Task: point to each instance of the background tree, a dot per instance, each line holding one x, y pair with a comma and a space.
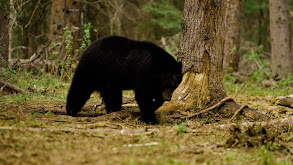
232, 36
255, 24
281, 58
4, 31
29, 27
201, 51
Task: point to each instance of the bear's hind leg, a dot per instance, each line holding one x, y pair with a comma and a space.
112, 99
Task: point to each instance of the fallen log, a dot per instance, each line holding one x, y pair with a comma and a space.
13, 87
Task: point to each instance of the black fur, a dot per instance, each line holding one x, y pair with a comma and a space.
112, 64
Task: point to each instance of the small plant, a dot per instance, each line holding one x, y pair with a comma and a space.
263, 69
9, 73
66, 64
180, 128
49, 113
283, 83
36, 114
86, 37
61, 119
230, 78
68, 38
264, 156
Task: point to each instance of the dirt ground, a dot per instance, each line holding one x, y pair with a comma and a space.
38, 131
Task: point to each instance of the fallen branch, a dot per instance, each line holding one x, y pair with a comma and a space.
82, 130
46, 129
11, 86
208, 109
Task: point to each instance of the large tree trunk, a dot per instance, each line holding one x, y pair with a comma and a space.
201, 52
281, 59
232, 36
4, 35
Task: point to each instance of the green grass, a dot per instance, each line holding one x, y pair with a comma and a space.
251, 88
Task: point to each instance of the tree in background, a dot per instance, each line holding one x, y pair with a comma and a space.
201, 52
232, 36
165, 15
29, 27
4, 31
281, 58
255, 24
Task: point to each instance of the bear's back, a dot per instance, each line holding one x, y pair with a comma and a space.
119, 56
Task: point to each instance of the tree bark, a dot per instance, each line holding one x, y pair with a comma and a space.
201, 52
4, 35
281, 58
232, 36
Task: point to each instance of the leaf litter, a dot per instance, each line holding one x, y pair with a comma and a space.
39, 131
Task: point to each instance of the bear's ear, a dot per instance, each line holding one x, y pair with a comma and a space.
179, 64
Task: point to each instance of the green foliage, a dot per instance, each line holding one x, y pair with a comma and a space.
49, 113
4, 4
41, 87
68, 38
165, 15
264, 156
249, 87
9, 73
180, 128
64, 66
86, 37
285, 83
229, 77
262, 64
254, 6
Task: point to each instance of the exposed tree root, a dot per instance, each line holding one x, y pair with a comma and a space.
208, 109
195, 90
228, 108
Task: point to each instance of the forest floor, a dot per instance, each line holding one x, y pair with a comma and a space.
34, 129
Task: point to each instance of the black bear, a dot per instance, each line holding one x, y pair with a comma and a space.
112, 64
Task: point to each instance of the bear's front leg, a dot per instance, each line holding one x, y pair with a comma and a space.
159, 100
146, 106
76, 98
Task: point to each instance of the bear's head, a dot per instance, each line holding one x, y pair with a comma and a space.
171, 80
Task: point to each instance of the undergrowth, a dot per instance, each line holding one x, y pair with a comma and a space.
254, 84
47, 86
